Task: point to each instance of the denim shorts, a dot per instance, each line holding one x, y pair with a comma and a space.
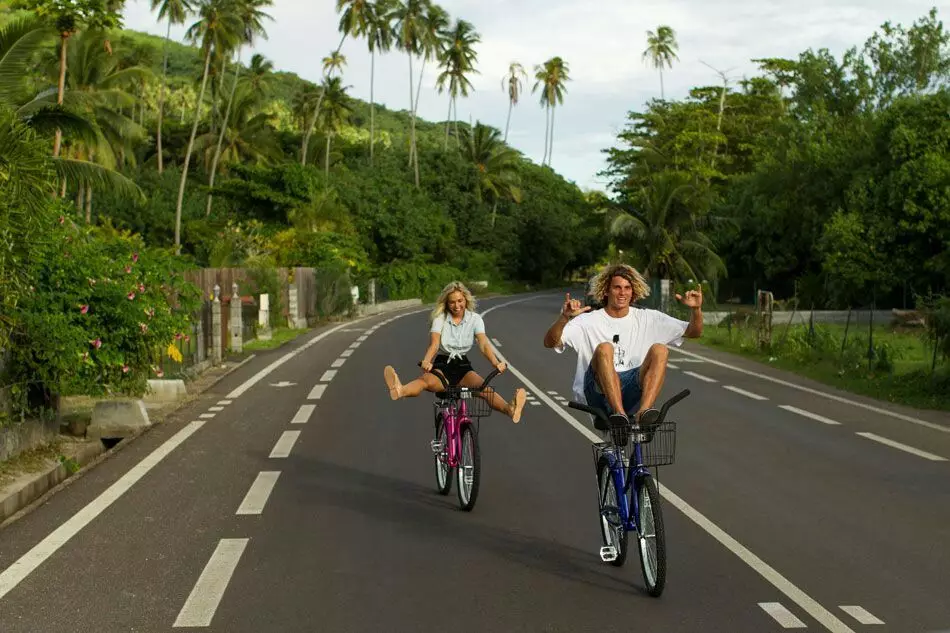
629, 387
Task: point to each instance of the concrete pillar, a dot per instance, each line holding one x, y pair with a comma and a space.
665, 294
371, 292
236, 325
292, 310
216, 325
263, 318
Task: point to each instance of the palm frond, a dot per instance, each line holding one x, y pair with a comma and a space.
20, 40
97, 177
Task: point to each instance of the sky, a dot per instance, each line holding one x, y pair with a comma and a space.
601, 40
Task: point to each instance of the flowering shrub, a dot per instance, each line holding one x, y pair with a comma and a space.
101, 310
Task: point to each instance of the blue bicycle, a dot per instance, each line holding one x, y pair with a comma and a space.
628, 498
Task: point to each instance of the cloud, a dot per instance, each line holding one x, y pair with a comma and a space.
602, 42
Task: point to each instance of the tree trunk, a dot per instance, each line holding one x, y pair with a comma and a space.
313, 119
448, 122
455, 122
61, 89
662, 93
547, 128
327, 160
551, 141
412, 120
494, 210
161, 96
79, 199
191, 144
224, 128
372, 107
508, 122
415, 110
89, 204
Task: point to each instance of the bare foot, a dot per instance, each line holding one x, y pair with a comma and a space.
517, 405
392, 381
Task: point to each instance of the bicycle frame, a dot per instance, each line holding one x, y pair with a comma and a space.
635, 471
454, 419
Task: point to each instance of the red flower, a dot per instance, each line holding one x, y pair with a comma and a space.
135, 257
83, 309
128, 269
125, 369
97, 343
130, 296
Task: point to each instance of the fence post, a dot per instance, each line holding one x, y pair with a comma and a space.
199, 334
292, 303
263, 318
216, 325
665, 288
764, 305
371, 292
237, 327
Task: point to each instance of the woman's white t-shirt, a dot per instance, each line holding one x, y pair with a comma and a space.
457, 338
634, 333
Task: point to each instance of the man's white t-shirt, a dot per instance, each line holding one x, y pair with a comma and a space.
635, 333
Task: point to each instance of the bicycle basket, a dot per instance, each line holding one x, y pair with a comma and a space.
660, 449
476, 404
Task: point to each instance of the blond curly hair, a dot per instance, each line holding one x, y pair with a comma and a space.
600, 287
442, 301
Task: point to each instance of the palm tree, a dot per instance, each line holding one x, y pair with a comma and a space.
552, 77
457, 60
252, 18
668, 232
335, 111
259, 74
174, 12
334, 61
355, 18
511, 83
379, 36
661, 50
249, 137
496, 165
409, 31
219, 27
434, 42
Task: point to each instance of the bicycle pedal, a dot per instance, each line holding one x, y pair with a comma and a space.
469, 476
608, 554
437, 446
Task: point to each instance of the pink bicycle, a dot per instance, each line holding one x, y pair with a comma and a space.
457, 412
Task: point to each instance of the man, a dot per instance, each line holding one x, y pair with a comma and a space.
622, 352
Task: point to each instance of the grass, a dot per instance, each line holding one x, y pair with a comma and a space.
29, 461
899, 370
279, 336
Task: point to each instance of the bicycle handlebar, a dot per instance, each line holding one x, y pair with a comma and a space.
445, 383
603, 416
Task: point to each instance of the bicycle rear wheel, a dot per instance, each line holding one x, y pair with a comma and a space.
651, 539
469, 468
443, 474
612, 531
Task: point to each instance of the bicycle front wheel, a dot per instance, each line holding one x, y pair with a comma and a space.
612, 531
651, 539
443, 474
469, 468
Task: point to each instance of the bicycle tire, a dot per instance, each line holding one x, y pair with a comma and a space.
468, 492
650, 521
443, 473
611, 535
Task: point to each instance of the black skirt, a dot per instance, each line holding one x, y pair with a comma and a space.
453, 369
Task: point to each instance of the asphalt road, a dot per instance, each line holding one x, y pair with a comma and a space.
304, 500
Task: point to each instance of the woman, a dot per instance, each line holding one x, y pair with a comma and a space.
455, 329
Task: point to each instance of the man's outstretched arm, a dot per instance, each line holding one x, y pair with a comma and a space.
570, 309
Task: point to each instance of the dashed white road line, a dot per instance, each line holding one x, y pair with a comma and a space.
535, 403
317, 392
743, 392
354, 345
26, 564
671, 366
809, 414
203, 601
216, 409
903, 447
700, 376
553, 393
338, 362
284, 445
816, 392
207, 416
346, 353
361, 339
861, 614
783, 616
303, 414
256, 497
328, 375
224, 403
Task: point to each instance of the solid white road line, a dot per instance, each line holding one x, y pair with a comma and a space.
495, 341
785, 383
317, 392
700, 376
259, 492
743, 392
328, 375
808, 414
782, 615
861, 615
361, 339
903, 447
284, 445
203, 601
303, 414
27, 563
